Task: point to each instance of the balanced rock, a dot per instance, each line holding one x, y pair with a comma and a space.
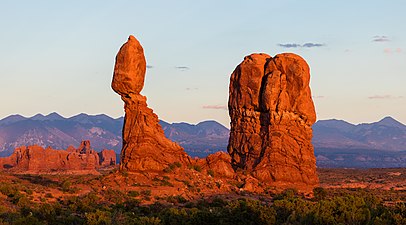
272, 114
145, 147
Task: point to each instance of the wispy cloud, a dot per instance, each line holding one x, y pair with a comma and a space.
182, 68
384, 97
312, 45
223, 107
378, 38
305, 45
150, 67
192, 89
291, 45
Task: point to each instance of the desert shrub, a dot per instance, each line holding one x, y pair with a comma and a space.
48, 195
7, 189
28, 191
176, 199
133, 193
113, 195
98, 218
124, 173
146, 192
172, 166
319, 193
27, 220
66, 186
144, 220
196, 167
289, 193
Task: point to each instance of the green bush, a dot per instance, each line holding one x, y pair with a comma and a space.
133, 193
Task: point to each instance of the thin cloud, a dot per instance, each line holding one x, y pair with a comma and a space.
384, 97
150, 67
312, 45
182, 68
305, 45
292, 45
192, 89
222, 107
380, 39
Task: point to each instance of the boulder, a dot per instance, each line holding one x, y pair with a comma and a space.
220, 164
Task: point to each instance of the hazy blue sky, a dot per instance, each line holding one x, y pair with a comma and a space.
59, 55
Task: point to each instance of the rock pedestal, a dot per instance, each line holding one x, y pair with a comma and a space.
145, 147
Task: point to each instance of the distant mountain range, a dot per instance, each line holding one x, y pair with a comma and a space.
341, 144
386, 134
58, 132
198, 140
337, 143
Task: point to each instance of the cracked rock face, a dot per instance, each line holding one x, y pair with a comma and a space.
145, 147
271, 113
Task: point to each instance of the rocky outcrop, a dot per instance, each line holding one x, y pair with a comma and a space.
145, 147
217, 164
35, 159
271, 113
107, 158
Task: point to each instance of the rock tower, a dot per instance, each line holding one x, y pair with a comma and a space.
272, 114
145, 147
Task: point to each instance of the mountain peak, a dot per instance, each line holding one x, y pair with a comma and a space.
38, 116
54, 116
391, 122
211, 124
12, 119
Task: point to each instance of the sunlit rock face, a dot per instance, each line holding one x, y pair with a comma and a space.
35, 159
272, 113
145, 147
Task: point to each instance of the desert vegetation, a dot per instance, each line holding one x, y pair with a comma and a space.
67, 199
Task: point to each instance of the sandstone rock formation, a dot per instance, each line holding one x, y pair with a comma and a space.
271, 113
145, 147
107, 158
35, 159
220, 164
